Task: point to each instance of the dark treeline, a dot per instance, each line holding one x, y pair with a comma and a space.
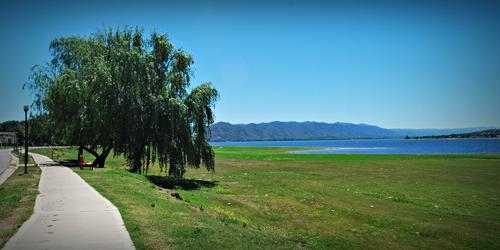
490, 133
39, 131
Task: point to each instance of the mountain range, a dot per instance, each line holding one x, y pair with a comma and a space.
224, 131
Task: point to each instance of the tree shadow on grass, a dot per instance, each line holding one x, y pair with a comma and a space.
55, 164
69, 163
73, 164
184, 184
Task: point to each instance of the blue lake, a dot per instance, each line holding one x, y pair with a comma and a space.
383, 146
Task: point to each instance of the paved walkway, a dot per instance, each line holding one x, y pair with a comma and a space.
70, 214
8, 164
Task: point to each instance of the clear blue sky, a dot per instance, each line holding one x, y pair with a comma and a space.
411, 65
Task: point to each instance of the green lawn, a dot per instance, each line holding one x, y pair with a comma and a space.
20, 157
267, 198
17, 199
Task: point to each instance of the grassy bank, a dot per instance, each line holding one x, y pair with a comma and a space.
17, 199
267, 198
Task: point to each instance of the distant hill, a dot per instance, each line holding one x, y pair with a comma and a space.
224, 131
490, 133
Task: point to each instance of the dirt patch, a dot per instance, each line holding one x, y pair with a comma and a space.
250, 202
232, 183
24, 199
13, 220
5, 224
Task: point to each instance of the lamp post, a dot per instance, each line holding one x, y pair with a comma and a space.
26, 108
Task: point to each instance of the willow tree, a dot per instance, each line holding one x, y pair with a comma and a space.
118, 90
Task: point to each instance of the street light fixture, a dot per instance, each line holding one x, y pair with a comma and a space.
26, 108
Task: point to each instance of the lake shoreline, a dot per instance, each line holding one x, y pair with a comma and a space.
382, 146
358, 139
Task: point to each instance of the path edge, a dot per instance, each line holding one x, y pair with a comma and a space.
11, 169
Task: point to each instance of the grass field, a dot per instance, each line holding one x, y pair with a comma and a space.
267, 198
17, 199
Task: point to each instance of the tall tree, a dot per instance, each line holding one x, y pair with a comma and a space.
117, 90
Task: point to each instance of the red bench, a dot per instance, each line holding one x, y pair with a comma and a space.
85, 164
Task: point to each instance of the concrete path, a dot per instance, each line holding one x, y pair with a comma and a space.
70, 214
4, 159
8, 164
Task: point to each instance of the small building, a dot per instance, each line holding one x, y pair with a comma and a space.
8, 138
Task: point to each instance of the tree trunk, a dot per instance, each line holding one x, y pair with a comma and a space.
101, 159
176, 170
80, 152
136, 166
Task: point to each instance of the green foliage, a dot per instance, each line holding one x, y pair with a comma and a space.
118, 90
8, 126
40, 131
